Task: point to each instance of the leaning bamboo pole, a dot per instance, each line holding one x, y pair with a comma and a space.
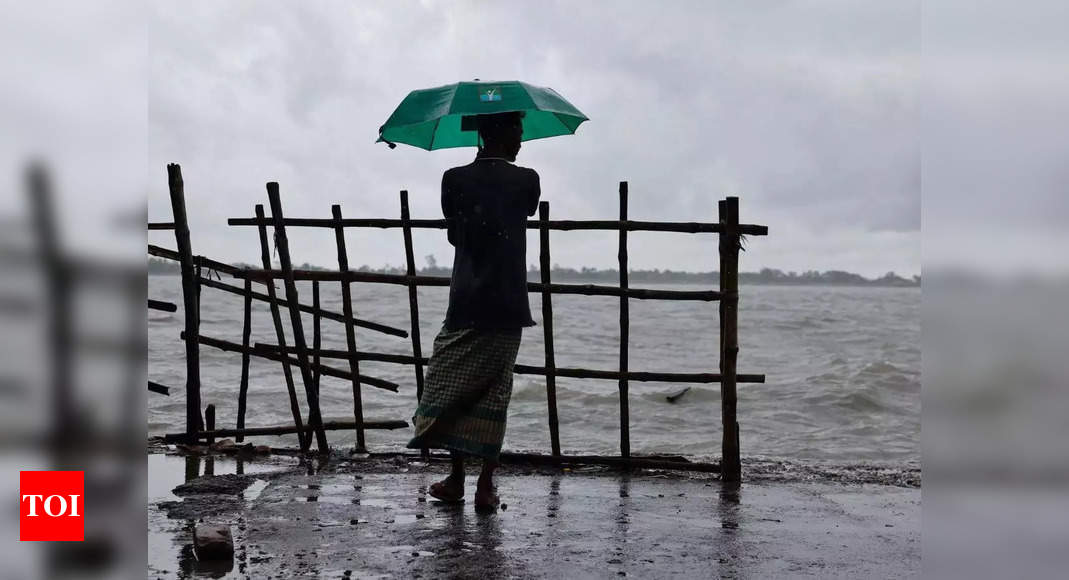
246, 332
280, 334
190, 306
296, 325
162, 305
159, 252
273, 354
213, 265
350, 333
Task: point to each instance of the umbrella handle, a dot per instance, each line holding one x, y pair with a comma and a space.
392, 145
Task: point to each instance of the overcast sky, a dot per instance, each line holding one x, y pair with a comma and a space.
808, 112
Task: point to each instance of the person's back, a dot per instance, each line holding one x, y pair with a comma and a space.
487, 203
464, 405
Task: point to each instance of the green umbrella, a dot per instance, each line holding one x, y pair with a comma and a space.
442, 117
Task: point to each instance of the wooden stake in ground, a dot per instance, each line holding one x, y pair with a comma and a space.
413, 298
729, 288
209, 420
625, 419
547, 327
315, 420
246, 331
190, 305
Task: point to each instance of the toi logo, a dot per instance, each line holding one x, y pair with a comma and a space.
490, 95
51, 506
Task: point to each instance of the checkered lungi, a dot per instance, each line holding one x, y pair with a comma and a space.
466, 391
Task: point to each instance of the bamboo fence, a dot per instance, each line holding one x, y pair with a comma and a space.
309, 358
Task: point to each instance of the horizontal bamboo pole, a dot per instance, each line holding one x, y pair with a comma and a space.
201, 261
228, 346
162, 305
405, 359
285, 430
282, 302
161, 225
155, 387
680, 464
226, 268
405, 280
562, 225
534, 370
636, 376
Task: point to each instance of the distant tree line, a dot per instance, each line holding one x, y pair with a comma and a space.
768, 276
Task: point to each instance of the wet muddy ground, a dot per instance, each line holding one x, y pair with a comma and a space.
346, 517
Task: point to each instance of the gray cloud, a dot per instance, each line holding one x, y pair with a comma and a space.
809, 114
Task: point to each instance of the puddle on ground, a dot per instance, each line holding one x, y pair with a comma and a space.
378, 502
252, 492
407, 518
165, 472
169, 541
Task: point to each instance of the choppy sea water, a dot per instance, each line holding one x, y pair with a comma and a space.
842, 367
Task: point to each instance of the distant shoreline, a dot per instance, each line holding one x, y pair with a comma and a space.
765, 277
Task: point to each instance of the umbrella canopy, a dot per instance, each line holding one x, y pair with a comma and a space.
439, 118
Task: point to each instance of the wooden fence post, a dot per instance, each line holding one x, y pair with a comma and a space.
209, 421
547, 325
625, 420
190, 306
317, 339
413, 300
731, 468
315, 420
246, 331
280, 334
350, 331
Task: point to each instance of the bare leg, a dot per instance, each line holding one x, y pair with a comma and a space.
452, 487
485, 492
457, 472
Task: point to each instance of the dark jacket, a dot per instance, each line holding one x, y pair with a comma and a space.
487, 203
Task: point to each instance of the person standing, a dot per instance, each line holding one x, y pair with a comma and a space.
469, 376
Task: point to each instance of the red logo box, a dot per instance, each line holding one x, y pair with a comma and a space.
51, 506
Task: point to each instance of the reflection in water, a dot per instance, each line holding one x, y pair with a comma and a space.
461, 534
728, 540
622, 517
488, 536
552, 505
190, 567
192, 467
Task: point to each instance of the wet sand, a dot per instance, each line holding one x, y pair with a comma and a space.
371, 518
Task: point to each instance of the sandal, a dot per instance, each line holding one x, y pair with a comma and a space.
439, 492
